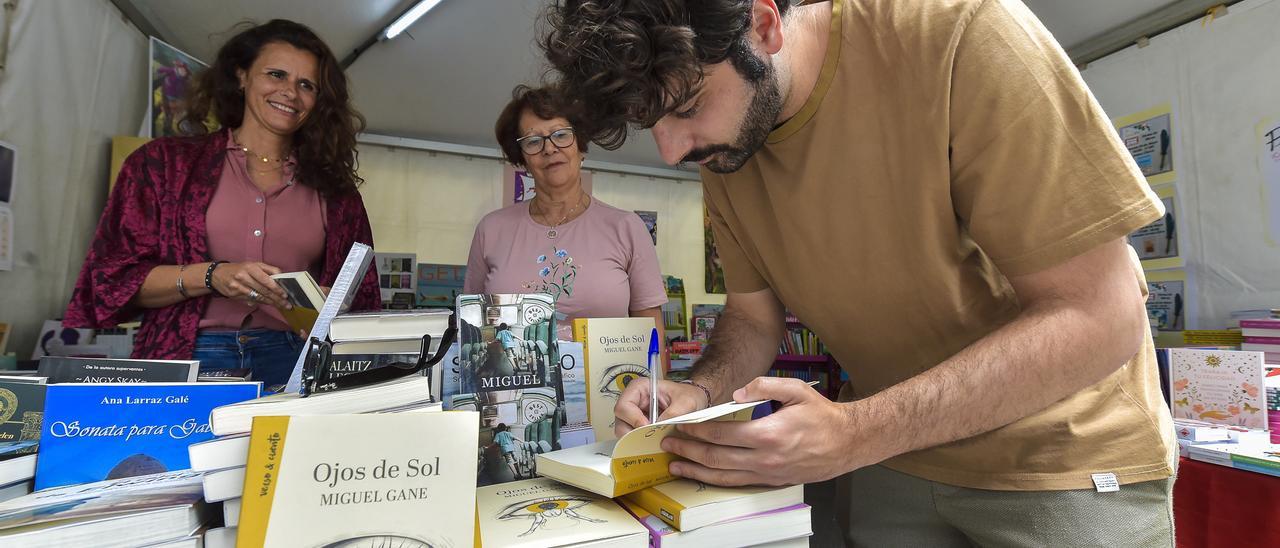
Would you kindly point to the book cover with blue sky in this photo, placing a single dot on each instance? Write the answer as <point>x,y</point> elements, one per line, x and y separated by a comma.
<point>96,432</point>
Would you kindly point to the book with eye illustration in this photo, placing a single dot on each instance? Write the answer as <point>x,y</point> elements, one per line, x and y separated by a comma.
<point>506,370</point>
<point>616,352</point>
<point>636,460</point>
<point>545,513</point>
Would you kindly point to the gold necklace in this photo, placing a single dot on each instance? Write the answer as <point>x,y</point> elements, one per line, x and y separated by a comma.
<point>553,232</point>
<point>248,152</point>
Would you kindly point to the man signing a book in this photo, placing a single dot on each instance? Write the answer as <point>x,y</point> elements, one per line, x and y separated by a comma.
<point>933,190</point>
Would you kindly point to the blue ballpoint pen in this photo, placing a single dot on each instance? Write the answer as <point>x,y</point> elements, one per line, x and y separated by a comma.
<point>653,377</point>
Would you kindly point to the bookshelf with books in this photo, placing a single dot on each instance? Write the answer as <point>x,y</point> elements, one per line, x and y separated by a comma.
<point>674,319</point>
<point>802,355</point>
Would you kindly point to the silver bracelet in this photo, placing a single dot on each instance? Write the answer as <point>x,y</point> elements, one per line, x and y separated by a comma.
<point>182,289</point>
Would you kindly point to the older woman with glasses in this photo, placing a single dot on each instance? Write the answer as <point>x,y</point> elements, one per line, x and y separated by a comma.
<point>596,260</point>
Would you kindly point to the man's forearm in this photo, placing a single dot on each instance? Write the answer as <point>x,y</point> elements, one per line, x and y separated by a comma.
<point>1043,356</point>
<point>742,347</point>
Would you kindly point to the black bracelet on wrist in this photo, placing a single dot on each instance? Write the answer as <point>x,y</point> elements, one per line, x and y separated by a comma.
<point>208,277</point>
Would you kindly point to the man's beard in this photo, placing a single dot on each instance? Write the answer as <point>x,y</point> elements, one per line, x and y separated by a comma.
<point>757,123</point>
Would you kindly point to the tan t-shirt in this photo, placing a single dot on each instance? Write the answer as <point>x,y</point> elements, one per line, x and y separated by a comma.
<point>948,144</point>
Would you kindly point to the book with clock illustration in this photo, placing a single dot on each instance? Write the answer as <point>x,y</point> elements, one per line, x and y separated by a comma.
<point>508,372</point>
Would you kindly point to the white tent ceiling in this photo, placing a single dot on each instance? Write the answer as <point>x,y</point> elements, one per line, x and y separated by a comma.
<point>448,77</point>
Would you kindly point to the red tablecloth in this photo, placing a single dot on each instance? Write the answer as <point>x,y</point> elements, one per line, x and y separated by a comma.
<point>1215,506</point>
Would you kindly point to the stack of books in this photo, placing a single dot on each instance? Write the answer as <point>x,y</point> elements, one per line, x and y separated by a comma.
<point>679,512</point>
<point>1262,335</point>
<point>222,459</point>
<point>689,513</point>
<point>1272,383</point>
<point>1261,458</point>
<point>1254,314</point>
<point>1226,339</point>
<point>684,354</point>
<point>23,415</point>
<point>1193,432</point>
<point>367,340</point>
<point>162,509</point>
<point>800,341</point>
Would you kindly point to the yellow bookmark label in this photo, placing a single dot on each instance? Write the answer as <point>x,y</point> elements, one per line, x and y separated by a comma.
<point>261,478</point>
<point>636,472</point>
<point>659,504</point>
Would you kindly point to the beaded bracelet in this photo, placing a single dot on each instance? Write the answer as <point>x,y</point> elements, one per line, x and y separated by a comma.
<point>208,277</point>
<point>182,288</point>
<point>705,390</point>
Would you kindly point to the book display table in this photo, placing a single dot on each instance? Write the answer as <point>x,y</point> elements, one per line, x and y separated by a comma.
<point>1217,506</point>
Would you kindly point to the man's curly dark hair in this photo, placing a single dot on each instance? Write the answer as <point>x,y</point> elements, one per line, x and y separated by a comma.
<point>634,61</point>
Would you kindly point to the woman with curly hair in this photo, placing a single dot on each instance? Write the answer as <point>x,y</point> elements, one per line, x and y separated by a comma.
<point>196,225</point>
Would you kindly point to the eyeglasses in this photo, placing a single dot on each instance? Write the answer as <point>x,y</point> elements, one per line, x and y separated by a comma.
<point>317,379</point>
<point>534,144</point>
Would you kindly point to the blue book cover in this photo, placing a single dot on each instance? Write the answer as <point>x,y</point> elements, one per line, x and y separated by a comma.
<point>96,432</point>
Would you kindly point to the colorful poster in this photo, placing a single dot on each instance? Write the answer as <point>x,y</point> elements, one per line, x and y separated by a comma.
<point>714,272</point>
<point>1149,137</point>
<point>173,73</point>
<point>396,276</point>
<point>1170,305</point>
<point>1269,163</point>
<point>650,219</point>
<point>1157,243</point>
<point>1165,305</point>
<point>440,284</point>
<point>1219,386</point>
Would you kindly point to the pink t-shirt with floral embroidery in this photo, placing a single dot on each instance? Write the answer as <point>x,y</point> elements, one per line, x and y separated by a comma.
<point>601,265</point>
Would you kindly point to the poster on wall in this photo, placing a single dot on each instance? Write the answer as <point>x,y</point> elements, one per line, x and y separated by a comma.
<point>518,184</point>
<point>1269,163</point>
<point>397,279</point>
<point>440,284</point>
<point>8,182</point>
<point>1168,305</point>
<point>714,272</point>
<point>6,237</point>
<point>1149,137</point>
<point>1157,243</point>
<point>650,219</point>
<point>173,73</point>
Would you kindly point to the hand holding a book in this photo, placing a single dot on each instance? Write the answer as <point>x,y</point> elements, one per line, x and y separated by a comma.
<point>807,440</point>
<point>674,399</point>
<point>245,281</point>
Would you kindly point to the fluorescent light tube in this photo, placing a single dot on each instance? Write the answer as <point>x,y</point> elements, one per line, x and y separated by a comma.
<point>408,18</point>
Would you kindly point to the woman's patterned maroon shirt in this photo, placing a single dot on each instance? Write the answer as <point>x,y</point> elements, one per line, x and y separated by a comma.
<point>156,216</point>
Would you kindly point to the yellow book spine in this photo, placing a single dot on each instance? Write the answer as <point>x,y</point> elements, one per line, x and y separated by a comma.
<point>658,504</point>
<point>580,335</point>
<point>631,474</point>
<point>478,543</point>
<point>262,474</point>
